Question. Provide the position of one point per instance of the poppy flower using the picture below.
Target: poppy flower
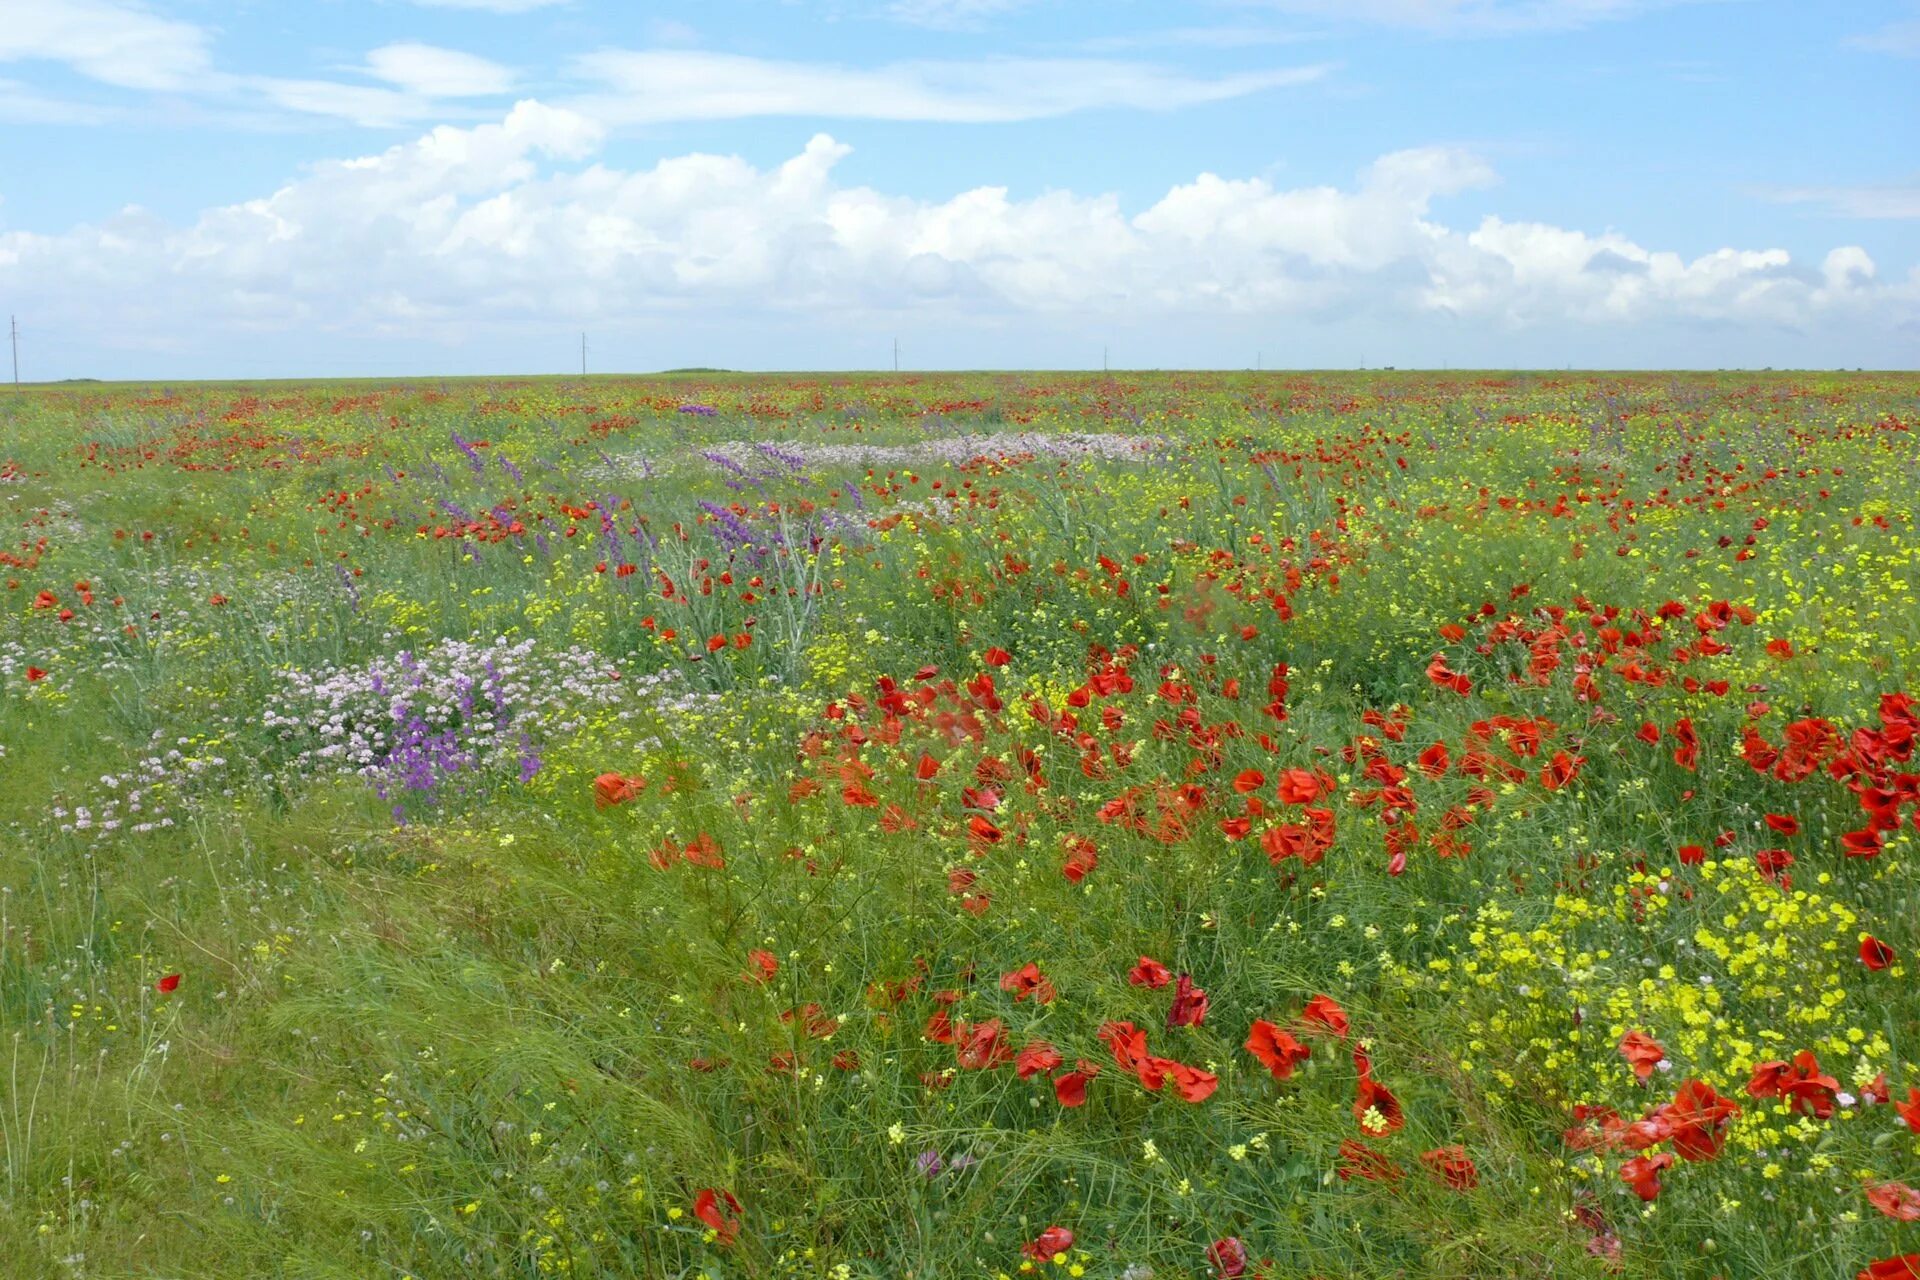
(981, 1046)
(1376, 1109)
(1875, 954)
(1895, 1199)
(1698, 1118)
(1297, 786)
(1446, 677)
(1909, 1111)
(1049, 1244)
(1070, 1087)
(611, 789)
(765, 965)
(1279, 1052)
(1189, 1007)
(1453, 1167)
(1249, 780)
(168, 985)
(1434, 760)
(1692, 855)
(1642, 1053)
(1904, 1267)
(996, 657)
(1560, 770)
(1642, 1173)
(1194, 1084)
(35, 674)
(1687, 754)
(1323, 1013)
(1035, 1058)
(1360, 1161)
(1228, 1257)
(1149, 973)
(1026, 981)
(1082, 857)
(1129, 1046)
(1785, 823)
(706, 1207)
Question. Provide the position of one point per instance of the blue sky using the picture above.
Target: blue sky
(194, 189)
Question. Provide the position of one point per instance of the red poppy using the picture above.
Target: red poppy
(1026, 981)
(35, 674)
(1049, 1244)
(1895, 1199)
(1785, 823)
(1323, 1013)
(1801, 1083)
(1909, 1111)
(1434, 760)
(1642, 1053)
(1453, 1167)
(1189, 1007)
(1642, 1173)
(1360, 1161)
(1279, 1052)
(1372, 1096)
(1228, 1257)
(1904, 1267)
(1129, 1046)
(1035, 1058)
(610, 789)
(1249, 780)
(1193, 1083)
(1149, 973)
(168, 985)
(706, 1207)
(1561, 770)
(1698, 1117)
(1687, 754)
(765, 965)
(1070, 1087)
(1446, 677)
(1875, 954)
(981, 1046)
(996, 657)
(1297, 786)
(1082, 857)
(1692, 855)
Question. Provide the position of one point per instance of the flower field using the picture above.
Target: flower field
(1173, 825)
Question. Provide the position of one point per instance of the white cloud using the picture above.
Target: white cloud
(438, 73)
(1902, 39)
(477, 230)
(117, 42)
(1892, 200)
(951, 15)
(647, 87)
(1473, 17)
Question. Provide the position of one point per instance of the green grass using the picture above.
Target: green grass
(453, 1018)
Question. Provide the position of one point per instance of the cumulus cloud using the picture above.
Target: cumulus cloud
(513, 221)
(653, 86)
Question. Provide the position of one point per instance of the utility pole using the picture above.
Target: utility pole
(896, 355)
(583, 355)
(13, 329)
(1259, 361)
(1103, 359)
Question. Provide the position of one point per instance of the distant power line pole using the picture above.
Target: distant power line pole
(13, 329)
(1103, 360)
(896, 355)
(583, 355)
